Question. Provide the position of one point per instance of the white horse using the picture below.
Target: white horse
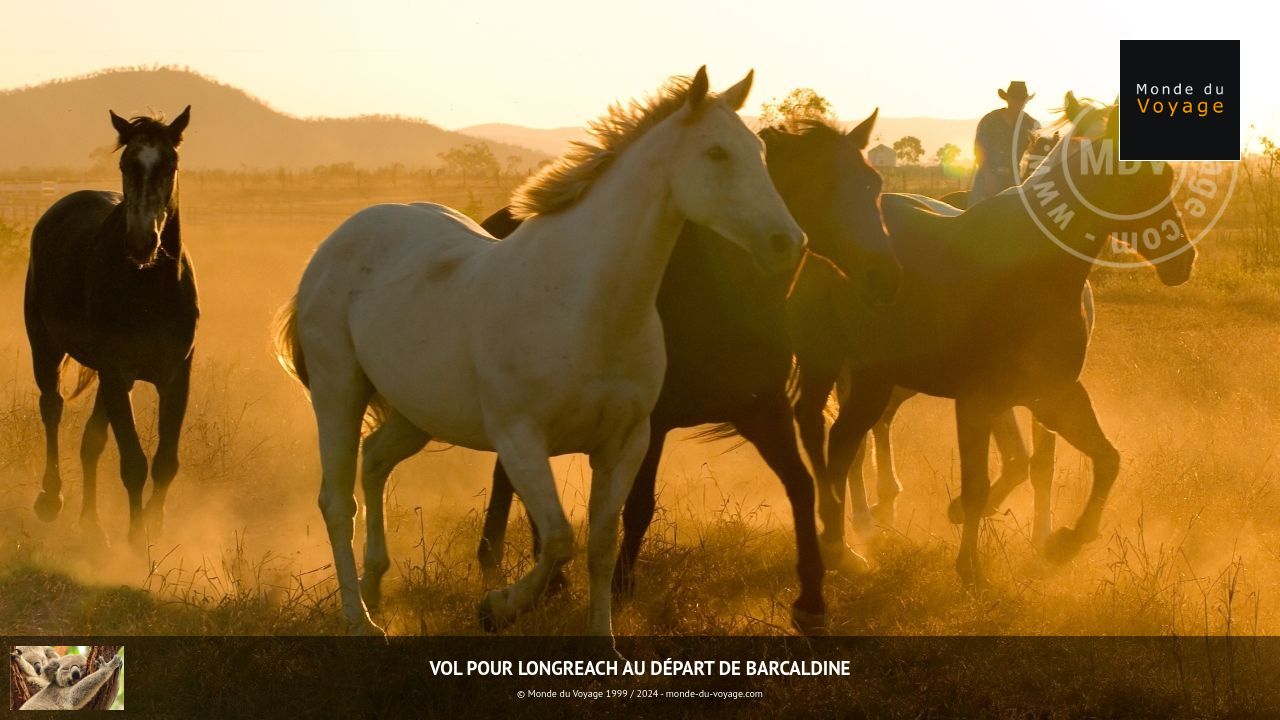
(546, 343)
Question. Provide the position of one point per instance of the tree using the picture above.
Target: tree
(513, 163)
(909, 150)
(472, 159)
(799, 104)
(947, 155)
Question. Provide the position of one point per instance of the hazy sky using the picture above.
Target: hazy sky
(559, 62)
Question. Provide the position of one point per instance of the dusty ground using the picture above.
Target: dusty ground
(1185, 381)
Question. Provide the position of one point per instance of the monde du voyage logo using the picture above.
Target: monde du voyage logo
(1180, 100)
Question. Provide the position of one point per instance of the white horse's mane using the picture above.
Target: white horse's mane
(563, 182)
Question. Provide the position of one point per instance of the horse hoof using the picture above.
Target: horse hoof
(1062, 545)
(885, 514)
(808, 623)
(493, 615)
(94, 535)
(841, 558)
(864, 525)
(48, 505)
(558, 583)
(955, 512)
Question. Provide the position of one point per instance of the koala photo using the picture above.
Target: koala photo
(62, 682)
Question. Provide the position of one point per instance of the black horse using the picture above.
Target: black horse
(728, 345)
(110, 285)
(992, 313)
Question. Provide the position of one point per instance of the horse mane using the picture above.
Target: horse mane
(1065, 127)
(566, 180)
(144, 124)
(1064, 122)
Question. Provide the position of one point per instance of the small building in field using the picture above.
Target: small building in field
(882, 156)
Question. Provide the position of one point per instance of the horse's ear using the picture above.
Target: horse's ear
(1112, 131)
(736, 96)
(122, 126)
(698, 88)
(860, 136)
(178, 125)
(1071, 106)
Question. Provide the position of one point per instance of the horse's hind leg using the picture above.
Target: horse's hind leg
(1014, 464)
(46, 361)
(865, 405)
(1070, 414)
(1045, 443)
(815, 389)
(164, 467)
(114, 394)
(91, 446)
(496, 515)
(524, 455)
(769, 428)
(394, 441)
(888, 487)
(637, 513)
(339, 400)
(974, 418)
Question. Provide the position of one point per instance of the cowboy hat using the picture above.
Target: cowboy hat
(1017, 91)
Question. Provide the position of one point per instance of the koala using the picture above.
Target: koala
(70, 669)
(32, 659)
(69, 688)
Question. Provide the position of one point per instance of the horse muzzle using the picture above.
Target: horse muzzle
(780, 253)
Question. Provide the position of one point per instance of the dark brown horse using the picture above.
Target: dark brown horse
(728, 347)
(1080, 119)
(989, 314)
(111, 285)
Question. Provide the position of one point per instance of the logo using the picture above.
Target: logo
(1180, 100)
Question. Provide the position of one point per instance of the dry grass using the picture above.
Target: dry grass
(1185, 381)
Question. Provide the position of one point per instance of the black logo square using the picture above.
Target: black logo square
(1179, 99)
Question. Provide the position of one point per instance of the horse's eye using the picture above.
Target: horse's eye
(717, 153)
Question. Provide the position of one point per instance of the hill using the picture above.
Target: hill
(933, 134)
(64, 124)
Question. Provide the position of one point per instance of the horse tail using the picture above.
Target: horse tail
(719, 431)
(288, 345)
(84, 378)
(288, 349)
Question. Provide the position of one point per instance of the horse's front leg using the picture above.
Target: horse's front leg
(1045, 444)
(1070, 414)
(46, 362)
(768, 426)
(164, 467)
(974, 418)
(613, 470)
(115, 395)
(522, 447)
(91, 446)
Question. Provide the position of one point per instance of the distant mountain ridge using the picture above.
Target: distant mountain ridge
(933, 134)
(63, 124)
